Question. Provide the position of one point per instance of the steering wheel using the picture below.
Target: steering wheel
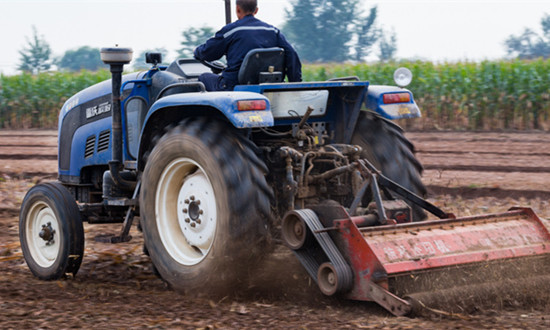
(216, 66)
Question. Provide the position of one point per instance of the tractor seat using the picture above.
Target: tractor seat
(262, 65)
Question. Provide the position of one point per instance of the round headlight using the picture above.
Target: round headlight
(402, 77)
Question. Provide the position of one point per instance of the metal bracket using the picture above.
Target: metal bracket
(126, 225)
(391, 302)
(402, 191)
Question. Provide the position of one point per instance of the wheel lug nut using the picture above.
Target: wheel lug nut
(198, 202)
(193, 224)
(187, 220)
(198, 221)
(186, 201)
(184, 210)
(192, 198)
(201, 211)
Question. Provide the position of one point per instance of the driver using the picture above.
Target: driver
(236, 39)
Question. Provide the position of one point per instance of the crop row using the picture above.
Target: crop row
(34, 101)
(486, 95)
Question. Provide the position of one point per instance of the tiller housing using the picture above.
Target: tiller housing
(390, 263)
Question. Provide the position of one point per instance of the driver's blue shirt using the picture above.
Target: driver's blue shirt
(236, 39)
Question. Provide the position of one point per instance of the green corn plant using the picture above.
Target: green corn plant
(35, 100)
(486, 95)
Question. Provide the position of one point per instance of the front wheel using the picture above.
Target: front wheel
(51, 232)
(204, 205)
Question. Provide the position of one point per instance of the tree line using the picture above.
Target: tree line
(322, 31)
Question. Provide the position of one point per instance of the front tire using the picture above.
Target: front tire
(51, 232)
(385, 146)
(205, 205)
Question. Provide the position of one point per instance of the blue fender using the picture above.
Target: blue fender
(375, 102)
(224, 102)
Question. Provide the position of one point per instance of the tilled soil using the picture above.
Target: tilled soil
(466, 173)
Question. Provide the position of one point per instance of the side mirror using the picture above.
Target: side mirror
(153, 58)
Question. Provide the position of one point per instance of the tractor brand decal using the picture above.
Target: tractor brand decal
(72, 103)
(500, 238)
(97, 110)
(420, 249)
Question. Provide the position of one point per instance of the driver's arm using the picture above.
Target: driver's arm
(213, 49)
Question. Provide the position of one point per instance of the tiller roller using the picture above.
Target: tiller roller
(383, 256)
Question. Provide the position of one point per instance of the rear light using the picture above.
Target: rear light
(397, 98)
(251, 105)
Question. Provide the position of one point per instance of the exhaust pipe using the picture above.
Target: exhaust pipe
(116, 58)
(227, 11)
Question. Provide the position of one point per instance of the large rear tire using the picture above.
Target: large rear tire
(386, 147)
(51, 231)
(204, 206)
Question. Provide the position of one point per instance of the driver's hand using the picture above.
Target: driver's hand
(195, 54)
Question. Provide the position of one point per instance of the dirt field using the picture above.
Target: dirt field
(466, 173)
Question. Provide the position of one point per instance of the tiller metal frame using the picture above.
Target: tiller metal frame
(356, 256)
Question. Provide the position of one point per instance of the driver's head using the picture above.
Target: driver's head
(246, 7)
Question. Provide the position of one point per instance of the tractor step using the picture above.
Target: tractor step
(123, 237)
(112, 238)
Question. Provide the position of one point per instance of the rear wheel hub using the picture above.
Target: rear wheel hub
(188, 227)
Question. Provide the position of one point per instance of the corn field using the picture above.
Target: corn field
(28, 101)
(458, 96)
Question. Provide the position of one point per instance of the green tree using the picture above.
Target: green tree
(545, 23)
(529, 44)
(193, 37)
(85, 57)
(139, 62)
(35, 56)
(388, 46)
(368, 34)
(299, 19)
(330, 30)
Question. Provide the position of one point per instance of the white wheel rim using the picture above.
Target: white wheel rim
(185, 207)
(43, 252)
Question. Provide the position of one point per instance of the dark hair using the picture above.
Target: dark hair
(248, 6)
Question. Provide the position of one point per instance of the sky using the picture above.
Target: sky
(441, 31)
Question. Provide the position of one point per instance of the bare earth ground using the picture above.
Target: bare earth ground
(466, 173)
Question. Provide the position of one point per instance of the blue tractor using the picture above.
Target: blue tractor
(218, 179)
(211, 174)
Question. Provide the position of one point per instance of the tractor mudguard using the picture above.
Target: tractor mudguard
(224, 102)
(389, 107)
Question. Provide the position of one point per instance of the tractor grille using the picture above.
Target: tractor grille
(103, 141)
(90, 144)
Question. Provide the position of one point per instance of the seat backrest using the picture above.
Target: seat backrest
(265, 62)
